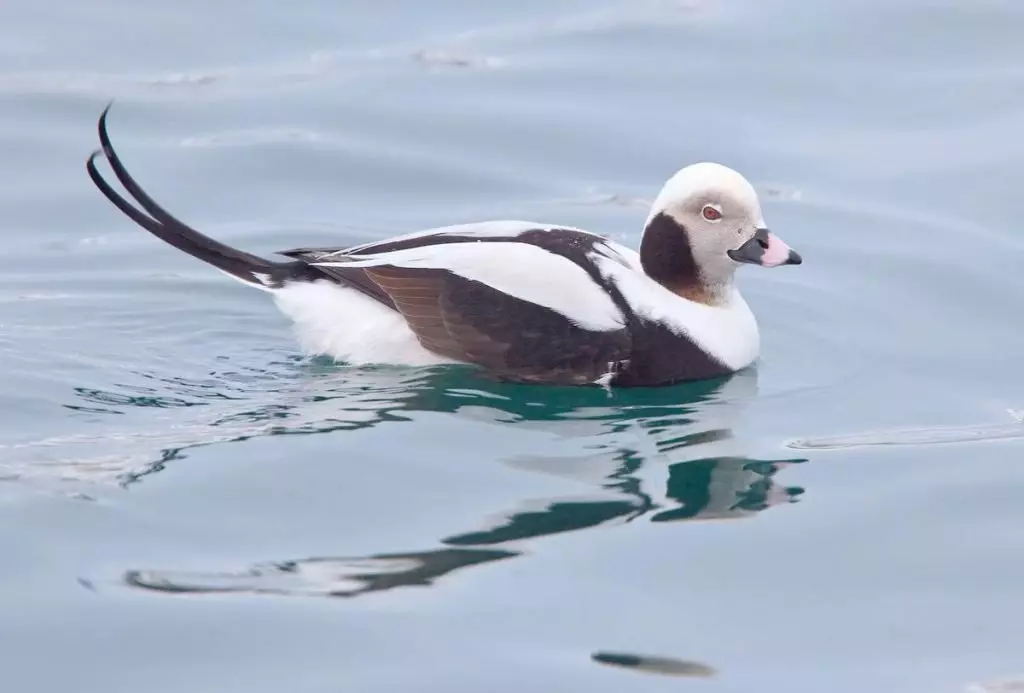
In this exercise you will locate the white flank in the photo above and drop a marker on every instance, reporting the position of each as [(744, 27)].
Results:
[(344, 324), (517, 269), (728, 332)]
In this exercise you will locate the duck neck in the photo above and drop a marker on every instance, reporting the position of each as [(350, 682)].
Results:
[(666, 256)]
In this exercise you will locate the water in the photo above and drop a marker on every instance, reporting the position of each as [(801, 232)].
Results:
[(187, 505)]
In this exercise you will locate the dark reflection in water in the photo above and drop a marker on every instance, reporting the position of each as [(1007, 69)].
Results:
[(655, 664), (682, 429)]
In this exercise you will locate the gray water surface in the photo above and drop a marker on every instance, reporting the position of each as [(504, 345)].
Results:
[(187, 504)]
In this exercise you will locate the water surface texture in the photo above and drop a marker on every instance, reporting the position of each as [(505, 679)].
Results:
[(187, 504)]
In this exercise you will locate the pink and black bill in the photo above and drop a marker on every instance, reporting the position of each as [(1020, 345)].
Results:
[(766, 249)]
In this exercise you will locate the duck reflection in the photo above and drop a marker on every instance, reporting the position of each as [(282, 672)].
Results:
[(631, 438), (325, 577)]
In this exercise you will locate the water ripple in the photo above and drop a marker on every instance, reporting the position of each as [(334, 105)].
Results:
[(683, 431)]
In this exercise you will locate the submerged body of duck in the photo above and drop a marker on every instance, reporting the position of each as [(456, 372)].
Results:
[(526, 302)]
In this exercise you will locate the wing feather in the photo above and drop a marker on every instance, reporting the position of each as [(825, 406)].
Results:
[(524, 306), (472, 322)]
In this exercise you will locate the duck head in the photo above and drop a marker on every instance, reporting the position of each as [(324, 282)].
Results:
[(705, 223)]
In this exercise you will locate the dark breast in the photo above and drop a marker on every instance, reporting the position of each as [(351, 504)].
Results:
[(662, 357)]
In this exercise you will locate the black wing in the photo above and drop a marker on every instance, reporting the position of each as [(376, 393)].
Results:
[(513, 338), (470, 321), (572, 244), (356, 277)]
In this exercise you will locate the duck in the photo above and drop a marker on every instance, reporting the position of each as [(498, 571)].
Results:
[(520, 301)]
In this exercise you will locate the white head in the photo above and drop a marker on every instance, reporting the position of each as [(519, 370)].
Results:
[(706, 222)]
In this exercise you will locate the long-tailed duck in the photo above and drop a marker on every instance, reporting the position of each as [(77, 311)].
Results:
[(524, 301)]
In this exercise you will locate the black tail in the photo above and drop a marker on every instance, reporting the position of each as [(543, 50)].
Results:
[(162, 224)]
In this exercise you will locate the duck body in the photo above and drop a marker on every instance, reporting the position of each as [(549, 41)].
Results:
[(525, 301)]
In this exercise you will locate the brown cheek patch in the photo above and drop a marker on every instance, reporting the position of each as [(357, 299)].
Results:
[(667, 258)]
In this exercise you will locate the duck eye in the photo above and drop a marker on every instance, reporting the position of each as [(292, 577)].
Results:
[(711, 212)]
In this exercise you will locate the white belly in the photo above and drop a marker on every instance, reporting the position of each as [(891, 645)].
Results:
[(344, 324)]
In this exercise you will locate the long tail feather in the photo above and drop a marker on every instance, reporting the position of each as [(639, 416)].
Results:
[(239, 264)]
